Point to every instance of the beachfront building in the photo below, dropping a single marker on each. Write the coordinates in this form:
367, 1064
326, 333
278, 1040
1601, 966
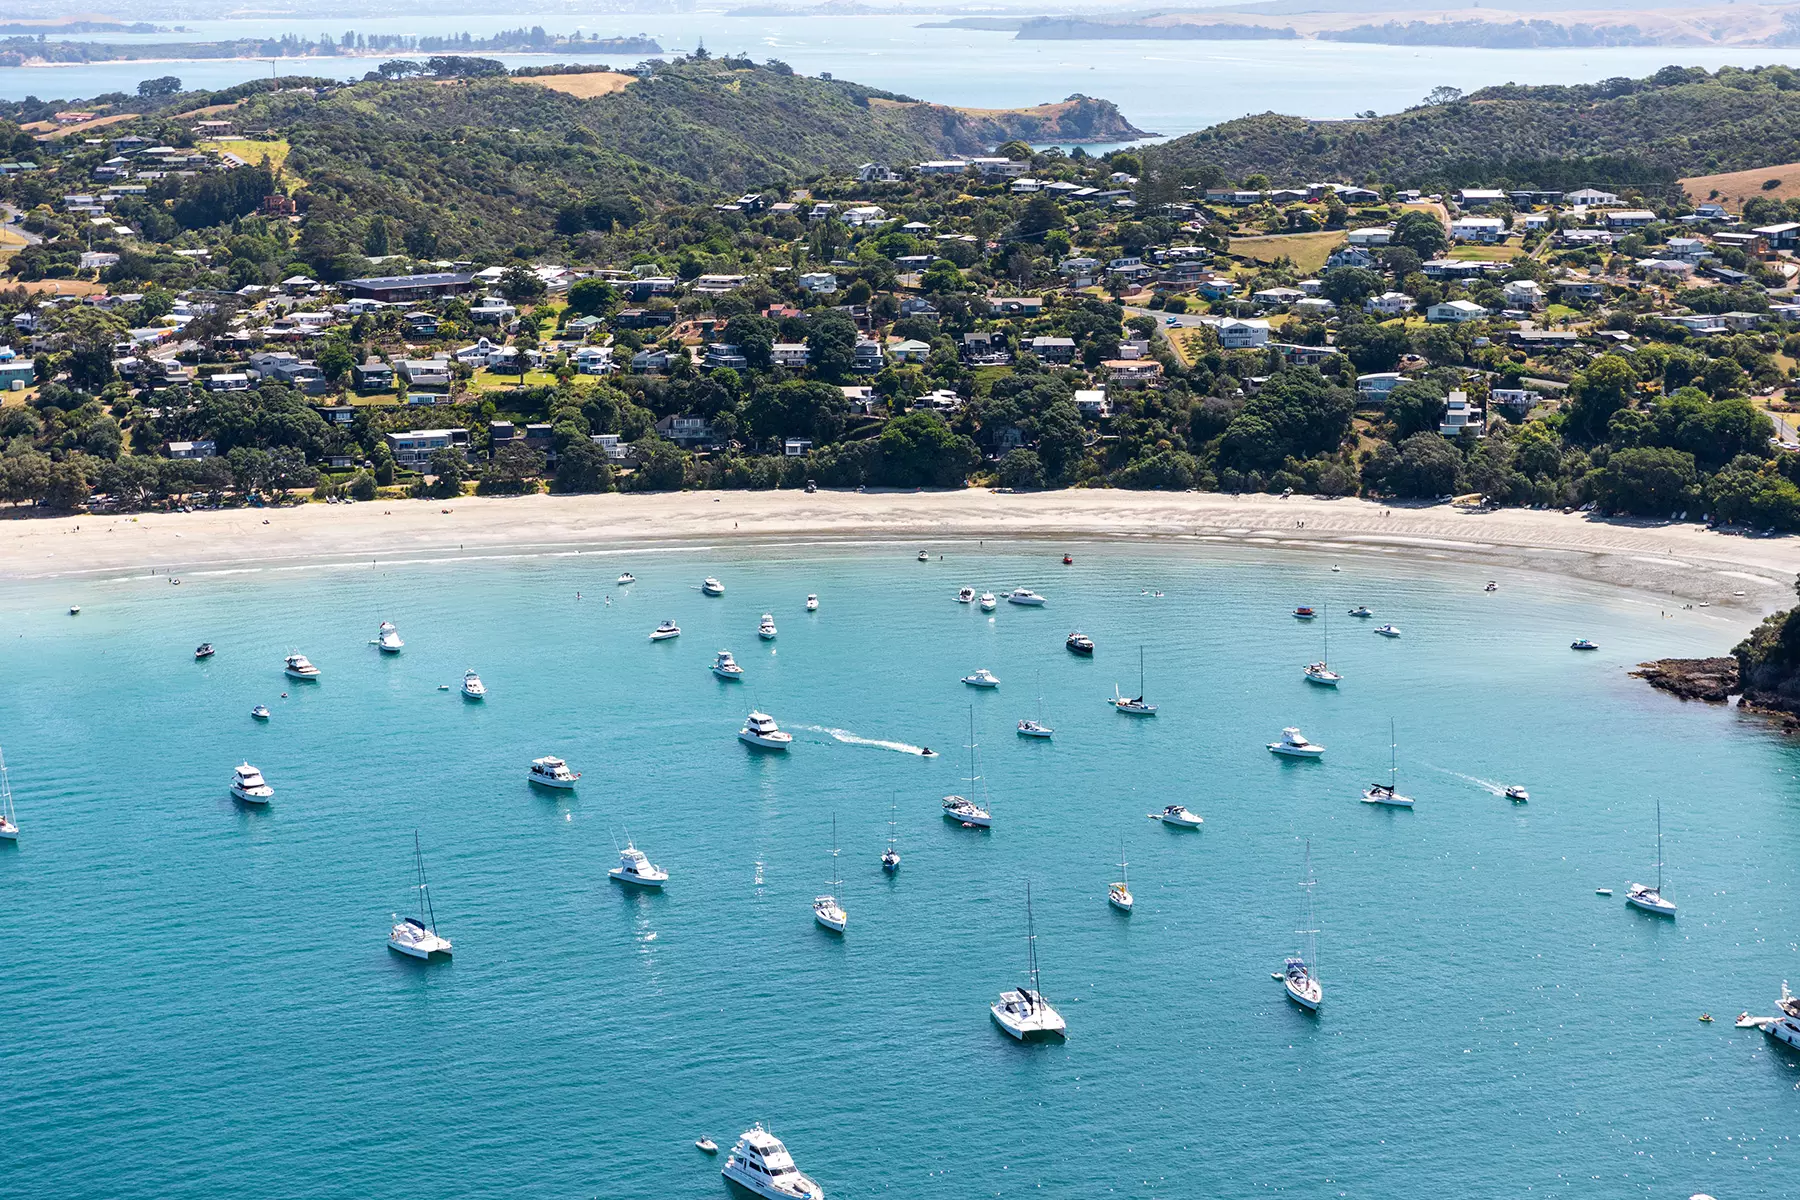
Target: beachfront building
414, 448
1455, 312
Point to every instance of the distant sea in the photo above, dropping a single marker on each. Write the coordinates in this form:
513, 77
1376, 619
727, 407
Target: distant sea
1169, 87
197, 1001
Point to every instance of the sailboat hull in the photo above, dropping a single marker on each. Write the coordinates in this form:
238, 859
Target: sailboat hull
1309, 999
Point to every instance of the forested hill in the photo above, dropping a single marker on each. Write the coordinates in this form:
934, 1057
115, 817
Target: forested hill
478, 165
1680, 121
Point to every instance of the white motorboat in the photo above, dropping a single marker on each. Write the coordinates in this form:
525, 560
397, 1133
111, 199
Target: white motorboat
706, 1145
665, 631
9, 820
961, 809
1024, 1014
924, 556
1136, 706
1118, 893
765, 629
1361, 610
812, 603
388, 639
472, 687
982, 678
1179, 817
552, 772
299, 667
712, 587
761, 1165
626, 577
248, 785
988, 603
761, 731
1786, 1027
1516, 793
827, 910
890, 858
726, 667
635, 868
1025, 597
1643, 896
260, 712
1293, 743
965, 595
417, 937
1300, 973
1388, 794
1388, 631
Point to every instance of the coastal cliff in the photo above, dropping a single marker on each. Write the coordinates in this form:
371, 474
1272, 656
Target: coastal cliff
1768, 664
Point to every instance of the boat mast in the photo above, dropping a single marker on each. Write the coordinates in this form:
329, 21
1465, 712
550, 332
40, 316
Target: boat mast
836, 883
1031, 963
1140, 672
1659, 853
1393, 758
424, 892
1124, 876
893, 809
6, 801
1309, 948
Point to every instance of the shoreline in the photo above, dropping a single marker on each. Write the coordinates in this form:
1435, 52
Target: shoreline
1683, 561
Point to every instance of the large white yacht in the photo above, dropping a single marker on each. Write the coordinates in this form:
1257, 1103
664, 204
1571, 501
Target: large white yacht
765, 629
1026, 597
1293, 743
761, 1165
965, 595
9, 821
248, 785
1786, 1027
1024, 1013
636, 868
761, 731
988, 603
827, 909
1300, 973
712, 587
726, 667
982, 678
472, 687
299, 667
665, 631
552, 772
417, 937
1137, 705
388, 639
1642, 895
1388, 794
961, 809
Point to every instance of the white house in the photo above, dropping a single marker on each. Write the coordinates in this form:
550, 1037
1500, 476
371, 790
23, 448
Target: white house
1461, 417
1392, 304
1093, 404
1374, 235
1486, 230
790, 354
1667, 270
819, 283
1591, 198
1524, 293
1629, 218
1376, 385
1479, 197
1455, 312
1236, 334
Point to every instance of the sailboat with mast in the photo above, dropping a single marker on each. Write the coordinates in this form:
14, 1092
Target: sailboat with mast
826, 909
890, 858
9, 822
1118, 893
1300, 973
1321, 672
963, 809
1136, 706
417, 937
1650, 899
1388, 794
1025, 1014
1034, 727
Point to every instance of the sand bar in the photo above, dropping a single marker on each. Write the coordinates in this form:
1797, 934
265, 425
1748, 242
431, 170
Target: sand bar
1686, 561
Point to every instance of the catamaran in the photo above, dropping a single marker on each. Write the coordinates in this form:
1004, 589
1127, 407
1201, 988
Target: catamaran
827, 911
1024, 1013
1388, 793
961, 808
417, 937
1300, 974
1648, 898
1137, 706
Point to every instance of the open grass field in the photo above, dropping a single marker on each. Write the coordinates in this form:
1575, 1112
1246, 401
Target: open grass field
251, 151
1504, 252
587, 85
1308, 250
1735, 187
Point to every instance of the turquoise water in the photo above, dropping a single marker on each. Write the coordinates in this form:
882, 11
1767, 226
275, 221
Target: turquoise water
198, 1001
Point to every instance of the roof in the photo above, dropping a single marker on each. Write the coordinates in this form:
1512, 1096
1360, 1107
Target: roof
435, 279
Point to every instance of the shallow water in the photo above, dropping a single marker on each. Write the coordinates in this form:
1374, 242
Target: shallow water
198, 1000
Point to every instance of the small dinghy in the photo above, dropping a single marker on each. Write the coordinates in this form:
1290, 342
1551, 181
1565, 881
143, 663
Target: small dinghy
706, 1145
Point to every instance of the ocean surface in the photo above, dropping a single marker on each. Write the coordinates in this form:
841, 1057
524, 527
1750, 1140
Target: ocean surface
197, 999
1170, 88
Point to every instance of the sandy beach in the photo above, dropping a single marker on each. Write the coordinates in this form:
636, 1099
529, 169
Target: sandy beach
1685, 561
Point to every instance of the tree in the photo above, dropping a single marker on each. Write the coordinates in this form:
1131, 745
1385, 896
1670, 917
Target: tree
1650, 481
448, 468
1166, 470
521, 284
160, 88
1605, 387
1415, 407
335, 360
1348, 287
919, 450
1021, 470
832, 340
1429, 466
512, 466
1443, 95
582, 467
662, 466
1422, 233
591, 297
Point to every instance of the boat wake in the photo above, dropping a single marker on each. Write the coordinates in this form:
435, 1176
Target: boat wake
851, 739
1486, 785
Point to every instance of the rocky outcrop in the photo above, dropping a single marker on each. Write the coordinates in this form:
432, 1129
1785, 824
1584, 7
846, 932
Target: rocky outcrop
1714, 680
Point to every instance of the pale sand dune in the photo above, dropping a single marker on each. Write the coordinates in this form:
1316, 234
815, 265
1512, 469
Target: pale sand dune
1685, 561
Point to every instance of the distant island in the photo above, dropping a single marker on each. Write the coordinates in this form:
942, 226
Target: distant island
30, 51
